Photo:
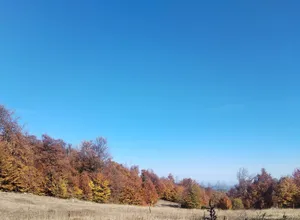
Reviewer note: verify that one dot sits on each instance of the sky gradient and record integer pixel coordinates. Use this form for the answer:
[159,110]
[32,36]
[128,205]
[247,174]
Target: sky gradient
[196,88]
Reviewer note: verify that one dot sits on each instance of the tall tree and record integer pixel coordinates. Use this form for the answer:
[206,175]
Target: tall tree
[100,189]
[93,155]
[286,192]
[262,190]
[192,196]
[149,191]
[9,127]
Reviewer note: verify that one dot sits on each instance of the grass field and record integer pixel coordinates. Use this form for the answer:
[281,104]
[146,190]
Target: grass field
[26,206]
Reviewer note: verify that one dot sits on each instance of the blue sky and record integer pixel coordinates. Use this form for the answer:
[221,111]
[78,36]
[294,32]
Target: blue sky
[196,88]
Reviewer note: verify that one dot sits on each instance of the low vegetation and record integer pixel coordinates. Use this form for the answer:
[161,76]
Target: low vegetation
[16,206]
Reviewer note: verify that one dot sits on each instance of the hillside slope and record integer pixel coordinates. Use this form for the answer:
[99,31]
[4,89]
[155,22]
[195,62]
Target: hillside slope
[26,206]
[14,206]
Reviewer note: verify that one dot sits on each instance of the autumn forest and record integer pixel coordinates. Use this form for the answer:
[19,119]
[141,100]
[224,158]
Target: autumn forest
[51,167]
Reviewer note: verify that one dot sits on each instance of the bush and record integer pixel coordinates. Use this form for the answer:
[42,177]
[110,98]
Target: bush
[191,197]
[225,203]
[237,203]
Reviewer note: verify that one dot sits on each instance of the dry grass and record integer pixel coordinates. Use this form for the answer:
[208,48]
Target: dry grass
[25,206]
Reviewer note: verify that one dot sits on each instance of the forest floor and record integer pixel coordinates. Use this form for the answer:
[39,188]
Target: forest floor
[15,206]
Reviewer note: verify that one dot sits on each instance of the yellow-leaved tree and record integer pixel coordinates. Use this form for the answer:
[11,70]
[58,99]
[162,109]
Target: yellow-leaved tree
[16,172]
[100,189]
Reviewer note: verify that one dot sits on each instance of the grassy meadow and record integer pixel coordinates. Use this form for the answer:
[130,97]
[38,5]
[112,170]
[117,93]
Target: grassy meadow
[15,206]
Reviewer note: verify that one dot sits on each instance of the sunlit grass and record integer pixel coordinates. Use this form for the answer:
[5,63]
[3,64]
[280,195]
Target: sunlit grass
[25,206]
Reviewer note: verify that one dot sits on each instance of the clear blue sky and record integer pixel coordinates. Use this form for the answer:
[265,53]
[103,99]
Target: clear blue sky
[196,88]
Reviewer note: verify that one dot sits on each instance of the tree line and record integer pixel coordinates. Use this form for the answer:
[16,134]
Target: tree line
[262,191]
[51,167]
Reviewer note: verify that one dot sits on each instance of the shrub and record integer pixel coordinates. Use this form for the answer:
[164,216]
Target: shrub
[191,198]
[237,203]
[225,203]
